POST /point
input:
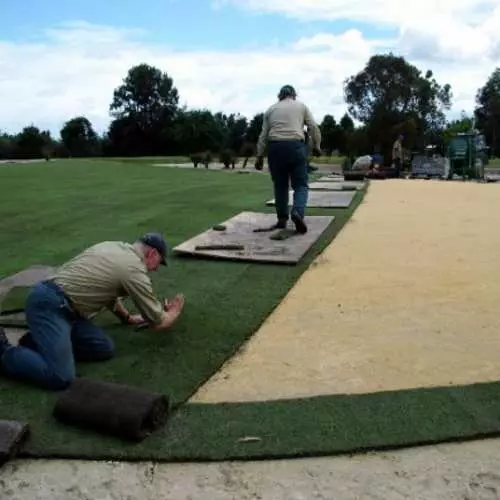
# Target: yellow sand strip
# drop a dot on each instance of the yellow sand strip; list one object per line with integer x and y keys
{"x": 407, "y": 295}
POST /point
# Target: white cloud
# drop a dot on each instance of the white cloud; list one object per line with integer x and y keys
{"x": 386, "y": 12}
{"x": 74, "y": 68}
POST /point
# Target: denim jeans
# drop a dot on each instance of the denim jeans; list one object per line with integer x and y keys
{"x": 58, "y": 337}
{"x": 288, "y": 165}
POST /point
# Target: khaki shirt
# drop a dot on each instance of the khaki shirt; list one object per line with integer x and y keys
{"x": 285, "y": 120}
{"x": 397, "y": 150}
{"x": 97, "y": 277}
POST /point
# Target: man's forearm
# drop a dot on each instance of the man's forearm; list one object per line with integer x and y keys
{"x": 316, "y": 137}
{"x": 167, "y": 321}
{"x": 262, "y": 140}
{"x": 119, "y": 310}
{"x": 313, "y": 129}
{"x": 261, "y": 145}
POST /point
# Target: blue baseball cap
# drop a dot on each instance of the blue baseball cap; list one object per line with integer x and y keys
{"x": 156, "y": 241}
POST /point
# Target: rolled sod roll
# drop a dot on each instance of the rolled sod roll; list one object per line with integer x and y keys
{"x": 377, "y": 175}
{"x": 126, "y": 412}
{"x": 354, "y": 176}
{"x": 12, "y": 437}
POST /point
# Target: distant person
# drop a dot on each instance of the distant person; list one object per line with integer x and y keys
{"x": 59, "y": 311}
{"x": 363, "y": 163}
{"x": 283, "y": 133}
{"x": 377, "y": 158}
{"x": 377, "y": 161}
{"x": 397, "y": 154}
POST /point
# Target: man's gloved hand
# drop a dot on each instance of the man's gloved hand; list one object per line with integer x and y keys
{"x": 317, "y": 152}
{"x": 259, "y": 163}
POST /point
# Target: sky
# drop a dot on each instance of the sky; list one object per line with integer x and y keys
{"x": 61, "y": 59}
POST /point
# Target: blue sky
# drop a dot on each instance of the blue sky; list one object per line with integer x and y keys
{"x": 60, "y": 59}
{"x": 186, "y": 24}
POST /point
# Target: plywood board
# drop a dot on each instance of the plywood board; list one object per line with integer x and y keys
{"x": 341, "y": 180}
{"x": 329, "y": 178}
{"x": 333, "y": 186}
{"x": 14, "y": 320}
{"x": 25, "y": 278}
{"x": 492, "y": 177}
{"x": 258, "y": 247}
{"x": 324, "y": 199}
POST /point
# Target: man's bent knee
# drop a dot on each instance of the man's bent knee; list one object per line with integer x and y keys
{"x": 106, "y": 349}
{"x": 103, "y": 351}
{"x": 103, "y": 355}
{"x": 55, "y": 382}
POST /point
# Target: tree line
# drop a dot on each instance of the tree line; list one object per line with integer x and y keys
{"x": 387, "y": 97}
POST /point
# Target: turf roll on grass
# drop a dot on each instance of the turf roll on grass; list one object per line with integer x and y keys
{"x": 12, "y": 437}
{"x": 354, "y": 176}
{"x": 126, "y": 412}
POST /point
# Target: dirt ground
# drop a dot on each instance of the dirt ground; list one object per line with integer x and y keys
{"x": 448, "y": 472}
{"x": 406, "y": 296}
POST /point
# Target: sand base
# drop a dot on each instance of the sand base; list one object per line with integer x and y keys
{"x": 406, "y": 296}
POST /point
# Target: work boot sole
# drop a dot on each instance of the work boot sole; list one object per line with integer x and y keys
{"x": 300, "y": 225}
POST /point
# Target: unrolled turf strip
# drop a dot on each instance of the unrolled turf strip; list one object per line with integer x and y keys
{"x": 322, "y": 425}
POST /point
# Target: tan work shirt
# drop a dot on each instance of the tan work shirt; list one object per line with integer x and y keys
{"x": 98, "y": 276}
{"x": 285, "y": 120}
{"x": 397, "y": 149}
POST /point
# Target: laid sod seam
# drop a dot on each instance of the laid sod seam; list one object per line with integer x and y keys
{"x": 76, "y": 203}
{"x": 298, "y": 428}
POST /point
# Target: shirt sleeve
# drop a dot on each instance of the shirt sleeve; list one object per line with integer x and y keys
{"x": 261, "y": 143}
{"x": 137, "y": 284}
{"x": 312, "y": 126}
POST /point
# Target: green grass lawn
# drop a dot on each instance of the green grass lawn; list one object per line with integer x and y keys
{"x": 51, "y": 211}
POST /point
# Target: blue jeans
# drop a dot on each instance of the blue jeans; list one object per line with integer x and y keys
{"x": 288, "y": 164}
{"x": 58, "y": 337}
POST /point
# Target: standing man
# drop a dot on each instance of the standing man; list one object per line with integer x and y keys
{"x": 397, "y": 154}
{"x": 283, "y": 133}
{"x": 59, "y": 311}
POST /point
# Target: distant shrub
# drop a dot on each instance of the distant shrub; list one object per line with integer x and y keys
{"x": 204, "y": 158}
{"x": 228, "y": 158}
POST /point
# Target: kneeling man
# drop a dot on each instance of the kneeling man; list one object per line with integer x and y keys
{"x": 59, "y": 311}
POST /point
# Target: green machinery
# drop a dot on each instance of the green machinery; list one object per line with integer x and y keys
{"x": 467, "y": 154}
